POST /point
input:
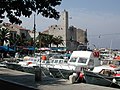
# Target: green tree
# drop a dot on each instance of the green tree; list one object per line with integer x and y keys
{"x": 57, "y": 40}
{"x": 18, "y": 41}
{"x": 17, "y": 8}
{"x": 44, "y": 40}
{"x": 4, "y": 35}
{"x": 48, "y": 40}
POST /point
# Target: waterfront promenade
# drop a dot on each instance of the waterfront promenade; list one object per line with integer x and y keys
{"x": 47, "y": 83}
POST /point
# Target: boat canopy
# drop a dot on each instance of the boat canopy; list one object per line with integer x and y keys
{"x": 6, "y": 48}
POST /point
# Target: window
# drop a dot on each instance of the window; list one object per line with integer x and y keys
{"x": 117, "y": 63}
{"x": 47, "y": 61}
{"x": 43, "y": 61}
{"x": 52, "y": 61}
{"x": 23, "y": 35}
{"x": 60, "y": 61}
{"x": 15, "y": 35}
{"x": 82, "y": 60}
{"x": 11, "y": 34}
{"x": 91, "y": 62}
{"x": 73, "y": 59}
{"x": 56, "y": 61}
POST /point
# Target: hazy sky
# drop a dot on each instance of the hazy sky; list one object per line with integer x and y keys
{"x": 100, "y": 17}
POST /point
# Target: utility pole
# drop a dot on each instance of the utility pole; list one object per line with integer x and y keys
{"x": 40, "y": 39}
{"x": 34, "y": 34}
{"x": 37, "y": 69}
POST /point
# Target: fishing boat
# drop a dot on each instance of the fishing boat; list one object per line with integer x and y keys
{"x": 105, "y": 75}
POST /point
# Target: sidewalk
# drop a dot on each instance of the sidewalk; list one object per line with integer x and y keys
{"x": 47, "y": 83}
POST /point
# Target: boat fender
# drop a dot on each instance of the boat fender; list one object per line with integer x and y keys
{"x": 44, "y": 57}
{"x": 29, "y": 63}
{"x": 81, "y": 76}
{"x": 114, "y": 80}
{"x": 112, "y": 66}
{"x": 117, "y": 75}
{"x": 75, "y": 74}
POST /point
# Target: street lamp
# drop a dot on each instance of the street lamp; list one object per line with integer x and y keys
{"x": 37, "y": 69}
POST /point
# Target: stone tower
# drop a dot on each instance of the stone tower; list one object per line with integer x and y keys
{"x": 64, "y": 25}
{"x": 71, "y": 36}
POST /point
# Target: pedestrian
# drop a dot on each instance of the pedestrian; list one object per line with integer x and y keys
{"x": 16, "y": 55}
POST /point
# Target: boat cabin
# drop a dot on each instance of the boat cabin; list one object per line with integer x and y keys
{"x": 84, "y": 58}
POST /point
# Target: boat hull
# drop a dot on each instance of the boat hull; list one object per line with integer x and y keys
{"x": 99, "y": 79}
{"x": 61, "y": 73}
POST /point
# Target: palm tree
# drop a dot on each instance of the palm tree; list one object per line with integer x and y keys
{"x": 30, "y": 42}
{"x": 48, "y": 39}
{"x": 57, "y": 40}
{"x": 19, "y": 41}
{"x": 4, "y": 36}
{"x": 45, "y": 40}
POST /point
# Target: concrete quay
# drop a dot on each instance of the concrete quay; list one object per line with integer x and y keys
{"x": 26, "y": 81}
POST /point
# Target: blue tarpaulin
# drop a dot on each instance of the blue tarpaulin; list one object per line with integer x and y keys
{"x": 29, "y": 48}
{"x": 6, "y": 48}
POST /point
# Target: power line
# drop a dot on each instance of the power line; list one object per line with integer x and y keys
{"x": 99, "y": 35}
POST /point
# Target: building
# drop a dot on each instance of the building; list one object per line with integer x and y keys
{"x": 71, "y": 36}
{"x": 24, "y": 33}
{"x": 19, "y": 30}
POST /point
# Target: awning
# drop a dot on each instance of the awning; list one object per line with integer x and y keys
{"x": 45, "y": 49}
{"x": 58, "y": 48}
{"x": 30, "y": 48}
{"x": 6, "y": 48}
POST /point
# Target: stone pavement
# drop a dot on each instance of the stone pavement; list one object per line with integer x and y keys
{"x": 47, "y": 83}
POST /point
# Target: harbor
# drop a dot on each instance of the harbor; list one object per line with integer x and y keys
{"x": 28, "y": 80}
{"x": 80, "y": 51}
{"x": 83, "y": 69}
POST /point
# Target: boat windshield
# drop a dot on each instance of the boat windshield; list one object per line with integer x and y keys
{"x": 61, "y": 61}
{"x": 73, "y": 59}
{"x": 117, "y": 63}
{"x": 114, "y": 62}
{"x": 45, "y": 61}
{"x": 56, "y": 61}
{"x": 82, "y": 60}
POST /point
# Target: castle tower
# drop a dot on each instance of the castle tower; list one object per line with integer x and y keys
{"x": 64, "y": 25}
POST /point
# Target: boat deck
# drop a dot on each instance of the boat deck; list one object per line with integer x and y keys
{"x": 47, "y": 83}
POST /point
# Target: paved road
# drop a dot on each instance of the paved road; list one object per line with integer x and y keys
{"x": 46, "y": 83}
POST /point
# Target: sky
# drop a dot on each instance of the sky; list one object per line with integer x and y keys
{"x": 101, "y": 18}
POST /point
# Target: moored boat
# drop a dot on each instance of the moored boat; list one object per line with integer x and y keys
{"x": 104, "y": 75}
{"x": 77, "y": 61}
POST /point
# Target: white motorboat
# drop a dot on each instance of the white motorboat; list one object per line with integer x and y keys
{"x": 77, "y": 61}
{"x": 30, "y": 62}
